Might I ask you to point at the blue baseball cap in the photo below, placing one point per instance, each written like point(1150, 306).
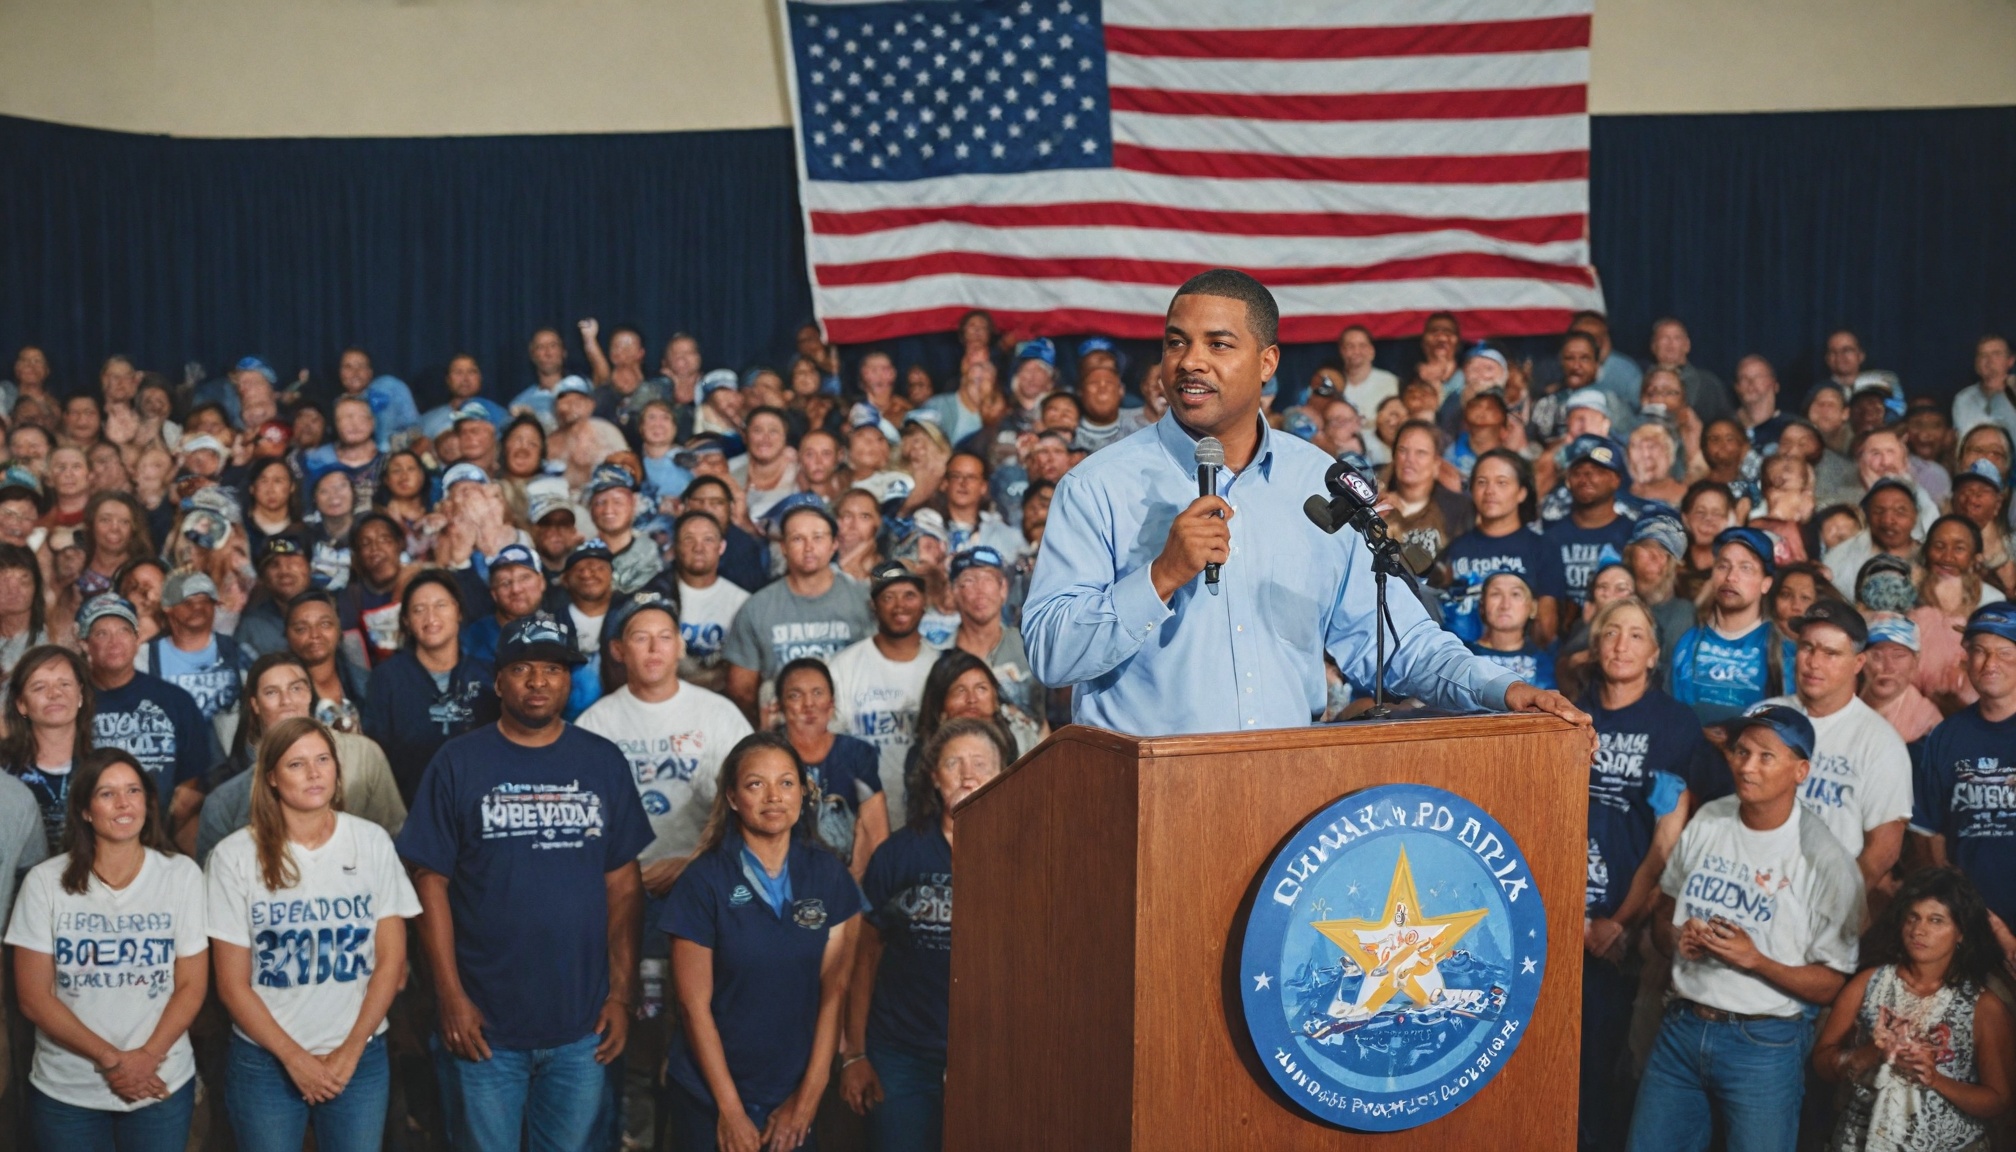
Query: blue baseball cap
point(463, 473)
point(1590, 398)
point(864, 415)
point(1299, 423)
point(774, 519)
point(1599, 450)
point(978, 556)
point(705, 444)
point(512, 554)
point(1997, 619)
point(1756, 540)
point(18, 483)
point(102, 605)
point(592, 548)
point(608, 477)
point(471, 411)
point(1038, 349)
point(1482, 351)
point(540, 636)
point(573, 386)
point(1982, 471)
point(639, 601)
point(256, 364)
point(1663, 530)
point(1890, 628)
point(713, 382)
point(1789, 724)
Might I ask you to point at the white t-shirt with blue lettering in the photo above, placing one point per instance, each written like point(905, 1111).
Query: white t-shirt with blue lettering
point(1861, 777)
point(315, 945)
point(675, 748)
point(705, 615)
point(115, 952)
point(876, 699)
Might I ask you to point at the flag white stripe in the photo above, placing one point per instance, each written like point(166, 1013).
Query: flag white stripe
point(869, 300)
point(1361, 139)
point(1206, 14)
point(1098, 185)
point(1159, 244)
point(1335, 77)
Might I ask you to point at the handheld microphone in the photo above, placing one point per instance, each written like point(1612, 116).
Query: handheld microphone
point(1210, 458)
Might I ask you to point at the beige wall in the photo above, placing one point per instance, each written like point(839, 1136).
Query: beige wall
point(472, 67)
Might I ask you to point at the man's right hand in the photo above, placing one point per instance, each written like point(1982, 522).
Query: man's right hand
point(1201, 534)
point(462, 1027)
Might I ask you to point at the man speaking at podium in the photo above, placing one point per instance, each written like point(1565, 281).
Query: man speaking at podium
point(1120, 604)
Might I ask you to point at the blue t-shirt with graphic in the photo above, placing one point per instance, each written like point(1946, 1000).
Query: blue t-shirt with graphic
point(1474, 557)
point(157, 724)
point(909, 889)
point(1577, 549)
point(214, 676)
point(1966, 791)
point(51, 789)
point(1720, 677)
point(765, 963)
point(1647, 753)
point(525, 837)
point(847, 777)
point(1532, 663)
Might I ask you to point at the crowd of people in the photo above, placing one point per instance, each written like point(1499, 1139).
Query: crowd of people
point(647, 697)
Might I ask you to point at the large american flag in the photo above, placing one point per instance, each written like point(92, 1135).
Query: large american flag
point(1065, 163)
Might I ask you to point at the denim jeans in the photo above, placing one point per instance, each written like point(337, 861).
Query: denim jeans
point(1751, 1072)
point(692, 1121)
point(161, 1127)
point(550, 1096)
point(911, 1117)
point(268, 1114)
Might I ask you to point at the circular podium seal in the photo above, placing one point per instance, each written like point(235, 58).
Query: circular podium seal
point(1392, 959)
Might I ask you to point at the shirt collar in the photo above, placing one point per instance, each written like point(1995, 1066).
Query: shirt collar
point(1181, 444)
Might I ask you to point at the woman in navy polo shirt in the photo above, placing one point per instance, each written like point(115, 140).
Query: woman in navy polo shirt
point(430, 690)
point(762, 926)
point(892, 1065)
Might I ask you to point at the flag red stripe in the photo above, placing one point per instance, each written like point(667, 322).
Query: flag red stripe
point(1139, 326)
point(1467, 265)
point(1537, 35)
point(1483, 104)
point(1508, 169)
point(1123, 214)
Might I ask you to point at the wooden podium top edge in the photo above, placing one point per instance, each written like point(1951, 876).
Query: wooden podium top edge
point(1399, 729)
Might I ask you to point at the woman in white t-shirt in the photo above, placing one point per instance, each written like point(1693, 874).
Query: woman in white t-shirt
point(307, 911)
point(108, 959)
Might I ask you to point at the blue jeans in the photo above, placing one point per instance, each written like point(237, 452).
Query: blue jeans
point(692, 1121)
point(550, 1096)
point(1753, 1072)
point(911, 1117)
point(162, 1127)
point(268, 1114)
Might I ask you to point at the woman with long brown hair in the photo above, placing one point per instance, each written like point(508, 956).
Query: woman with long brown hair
point(48, 729)
point(309, 1013)
point(24, 613)
point(111, 1006)
point(114, 533)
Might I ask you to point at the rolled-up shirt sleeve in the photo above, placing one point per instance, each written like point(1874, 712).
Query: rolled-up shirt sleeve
point(1083, 617)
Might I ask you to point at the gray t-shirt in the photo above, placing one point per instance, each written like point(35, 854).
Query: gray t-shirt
point(1010, 662)
point(22, 843)
point(778, 626)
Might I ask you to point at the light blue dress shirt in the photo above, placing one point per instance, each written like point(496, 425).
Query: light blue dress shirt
point(1250, 657)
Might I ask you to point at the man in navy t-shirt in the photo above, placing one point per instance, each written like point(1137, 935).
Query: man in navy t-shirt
point(1595, 470)
point(152, 720)
point(1966, 786)
point(524, 838)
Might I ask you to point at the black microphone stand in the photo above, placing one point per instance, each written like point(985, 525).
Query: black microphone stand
point(1386, 562)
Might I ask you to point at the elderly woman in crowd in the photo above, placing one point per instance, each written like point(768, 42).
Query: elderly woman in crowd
point(1889, 680)
point(1788, 503)
point(1652, 449)
point(1950, 588)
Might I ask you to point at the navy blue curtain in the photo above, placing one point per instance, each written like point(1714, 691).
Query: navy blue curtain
point(1763, 232)
point(415, 249)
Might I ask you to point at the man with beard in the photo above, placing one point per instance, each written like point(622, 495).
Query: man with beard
point(1730, 661)
point(878, 683)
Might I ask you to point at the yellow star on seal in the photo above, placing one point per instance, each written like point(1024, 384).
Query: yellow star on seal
point(1400, 951)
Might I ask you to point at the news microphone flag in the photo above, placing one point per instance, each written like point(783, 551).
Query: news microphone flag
point(1064, 163)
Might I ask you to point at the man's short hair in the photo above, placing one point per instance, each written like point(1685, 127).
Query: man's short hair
point(1263, 316)
point(1350, 328)
point(1589, 314)
point(1582, 337)
point(699, 482)
point(697, 516)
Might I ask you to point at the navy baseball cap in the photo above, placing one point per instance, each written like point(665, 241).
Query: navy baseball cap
point(1839, 614)
point(283, 544)
point(891, 572)
point(978, 556)
point(1897, 482)
point(1600, 450)
point(511, 554)
point(799, 502)
point(1789, 724)
point(102, 605)
point(620, 618)
point(592, 548)
point(539, 637)
point(608, 477)
point(1756, 540)
point(256, 364)
point(1997, 619)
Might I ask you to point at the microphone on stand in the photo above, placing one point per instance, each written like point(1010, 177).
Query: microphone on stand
point(1210, 458)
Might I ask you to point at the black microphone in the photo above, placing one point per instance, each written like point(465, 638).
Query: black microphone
point(1350, 502)
point(1210, 458)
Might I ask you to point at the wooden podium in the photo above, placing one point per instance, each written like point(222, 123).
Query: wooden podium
point(1100, 890)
